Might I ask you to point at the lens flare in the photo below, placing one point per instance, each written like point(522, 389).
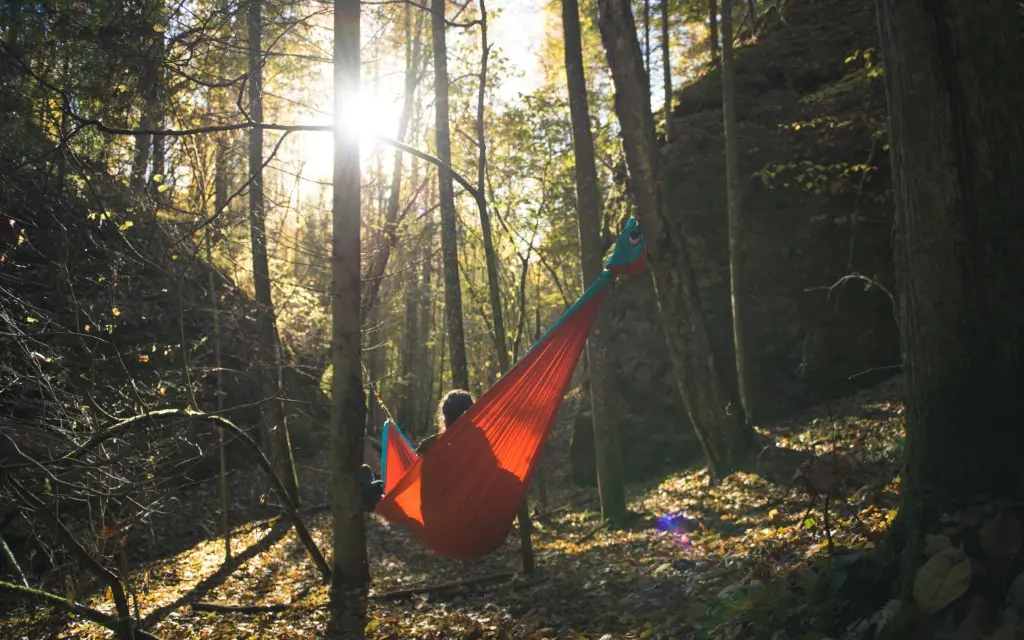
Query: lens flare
point(678, 525)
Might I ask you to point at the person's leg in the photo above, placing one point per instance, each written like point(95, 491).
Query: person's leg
point(372, 488)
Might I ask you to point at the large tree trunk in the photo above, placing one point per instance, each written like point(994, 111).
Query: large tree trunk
point(348, 401)
point(446, 192)
point(734, 196)
point(607, 449)
point(724, 436)
point(955, 81)
point(268, 345)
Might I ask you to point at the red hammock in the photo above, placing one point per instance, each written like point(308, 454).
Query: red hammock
point(461, 498)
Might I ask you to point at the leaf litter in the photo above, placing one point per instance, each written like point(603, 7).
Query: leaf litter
point(701, 560)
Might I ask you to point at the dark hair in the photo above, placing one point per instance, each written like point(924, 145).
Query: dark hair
point(452, 405)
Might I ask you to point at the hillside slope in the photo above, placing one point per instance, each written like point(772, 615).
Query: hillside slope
point(811, 111)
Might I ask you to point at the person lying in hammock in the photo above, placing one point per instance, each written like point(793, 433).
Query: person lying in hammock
point(449, 409)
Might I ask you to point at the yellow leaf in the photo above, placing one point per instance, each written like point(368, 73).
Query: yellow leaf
point(940, 581)
point(116, 312)
point(163, 188)
point(159, 28)
point(31, 320)
point(143, 358)
point(126, 225)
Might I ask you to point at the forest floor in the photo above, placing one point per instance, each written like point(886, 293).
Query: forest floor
point(736, 560)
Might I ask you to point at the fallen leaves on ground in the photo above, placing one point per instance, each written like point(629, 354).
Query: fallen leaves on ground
point(700, 560)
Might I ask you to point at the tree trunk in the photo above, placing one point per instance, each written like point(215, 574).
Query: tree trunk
point(220, 197)
point(148, 92)
point(383, 253)
point(348, 401)
point(734, 196)
point(647, 41)
point(268, 345)
point(607, 448)
point(666, 56)
point(159, 78)
point(446, 192)
point(713, 31)
point(493, 284)
point(725, 438)
point(955, 82)
point(425, 359)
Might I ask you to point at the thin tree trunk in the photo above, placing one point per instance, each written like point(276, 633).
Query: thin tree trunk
point(713, 31)
point(348, 401)
point(666, 56)
point(383, 253)
point(220, 197)
point(954, 75)
point(647, 40)
point(493, 284)
point(446, 192)
point(607, 451)
point(268, 341)
point(159, 152)
point(726, 440)
point(734, 198)
point(147, 120)
point(542, 465)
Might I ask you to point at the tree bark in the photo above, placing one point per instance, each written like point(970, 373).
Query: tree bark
point(734, 200)
point(726, 440)
point(955, 83)
point(607, 450)
point(268, 345)
point(348, 400)
point(446, 192)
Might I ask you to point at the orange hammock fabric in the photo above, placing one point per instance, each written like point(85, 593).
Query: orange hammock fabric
point(460, 499)
point(398, 456)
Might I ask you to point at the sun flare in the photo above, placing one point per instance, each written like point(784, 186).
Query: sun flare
point(367, 115)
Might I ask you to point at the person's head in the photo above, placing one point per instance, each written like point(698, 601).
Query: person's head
point(452, 405)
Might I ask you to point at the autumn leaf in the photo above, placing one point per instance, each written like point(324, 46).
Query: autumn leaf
point(940, 581)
